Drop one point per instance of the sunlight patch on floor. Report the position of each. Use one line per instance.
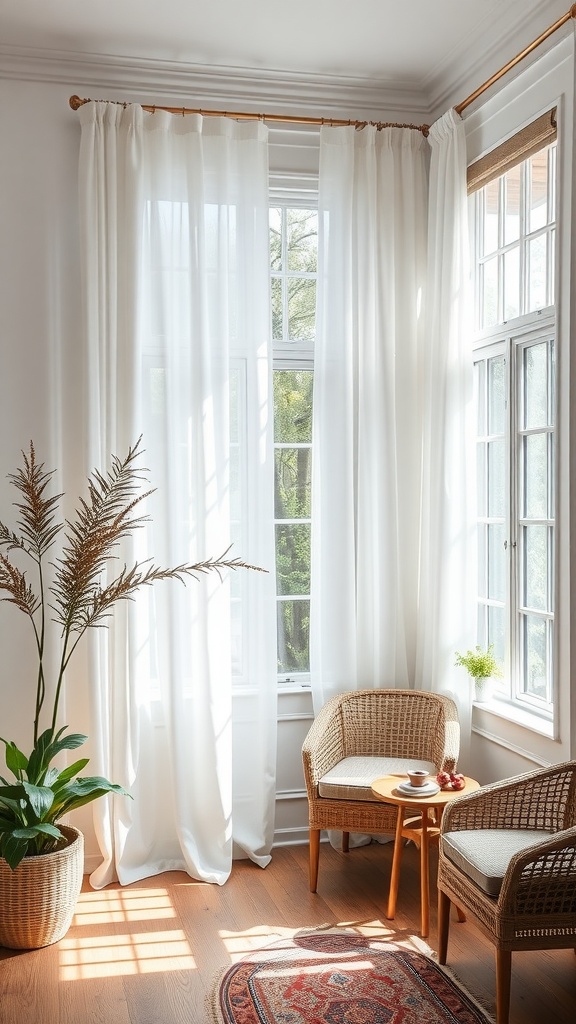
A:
(131, 951)
(123, 905)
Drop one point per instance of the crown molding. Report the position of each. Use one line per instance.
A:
(464, 69)
(155, 81)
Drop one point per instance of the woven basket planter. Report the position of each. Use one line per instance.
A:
(38, 898)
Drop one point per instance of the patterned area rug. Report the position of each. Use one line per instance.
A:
(345, 978)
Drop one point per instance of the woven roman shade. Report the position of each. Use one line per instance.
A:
(525, 143)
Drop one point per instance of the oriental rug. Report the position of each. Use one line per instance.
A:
(341, 978)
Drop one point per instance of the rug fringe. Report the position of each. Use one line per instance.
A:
(478, 1002)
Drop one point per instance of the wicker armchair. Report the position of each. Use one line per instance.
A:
(508, 858)
(363, 735)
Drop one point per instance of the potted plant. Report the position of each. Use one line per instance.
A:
(41, 859)
(481, 664)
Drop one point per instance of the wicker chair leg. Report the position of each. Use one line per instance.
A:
(314, 856)
(345, 842)
(503, 973)
(443, 925)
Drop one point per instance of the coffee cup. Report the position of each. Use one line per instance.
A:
(418, 776)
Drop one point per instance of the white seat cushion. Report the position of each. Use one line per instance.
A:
(483, 854)
(352, 778)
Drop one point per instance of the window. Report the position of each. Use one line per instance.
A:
(293, 263)
(514, 220)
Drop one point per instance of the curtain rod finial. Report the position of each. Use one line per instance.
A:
(75, 102)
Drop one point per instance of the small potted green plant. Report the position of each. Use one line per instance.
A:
(481, 665)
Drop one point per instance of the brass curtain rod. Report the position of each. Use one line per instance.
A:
(76, 102)
(516, 60)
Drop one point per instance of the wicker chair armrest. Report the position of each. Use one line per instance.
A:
(451, 746)
(323, 746)
(542, 799)
(541, 880)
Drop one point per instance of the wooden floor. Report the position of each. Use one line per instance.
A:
(147, 953)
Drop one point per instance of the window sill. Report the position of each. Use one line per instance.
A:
(523, 717)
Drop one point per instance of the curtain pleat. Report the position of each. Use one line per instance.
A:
(367, 411)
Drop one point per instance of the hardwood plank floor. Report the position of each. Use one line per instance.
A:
(148, 953)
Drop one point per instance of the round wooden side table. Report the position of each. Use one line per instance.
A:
(419, 827)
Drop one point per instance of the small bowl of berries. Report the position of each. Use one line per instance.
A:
(451, 780)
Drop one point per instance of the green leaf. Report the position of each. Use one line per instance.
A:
(68, 773)
(83, 791)
(47, 747)
(14, 806)
(41, 799)
(43, 828)
(16, 761)
(13, 850)
(15, 792)
(7, 824)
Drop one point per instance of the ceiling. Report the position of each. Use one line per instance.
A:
(405, 44)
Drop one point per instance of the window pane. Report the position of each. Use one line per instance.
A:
(535, 476)
(277, 310)
(538, 190)
(275, 238)
(491, 193)
(293, 558)
(535, 365)
(293, 406)
(302, 240)
(534, 652)
(536, 567)
(479, 394)
(482, 540)
(497, 631)
(512, 207)
(496, 562)
(293, 621)
(496, 479)
(537, 278)
(481, 496)
(512, 283)
(292, 485)
(301, 309)
(497, 395)
(490, 292)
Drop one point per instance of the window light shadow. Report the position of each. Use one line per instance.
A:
(136, 931)
(89, 950)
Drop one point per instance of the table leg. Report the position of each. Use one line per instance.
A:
(424, 876)
(396, 862)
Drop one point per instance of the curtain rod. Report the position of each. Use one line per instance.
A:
(516, 60)
(76, 102)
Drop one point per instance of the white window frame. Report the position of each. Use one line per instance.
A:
(510, 344)
(289, 355)
(509, 339)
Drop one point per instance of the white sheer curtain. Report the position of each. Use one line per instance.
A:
(392, 543)
(174, 221)
(367, 408)
(447, 603)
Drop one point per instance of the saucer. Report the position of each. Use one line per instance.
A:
(428, 789)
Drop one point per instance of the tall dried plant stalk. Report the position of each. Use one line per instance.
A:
(78, 597)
